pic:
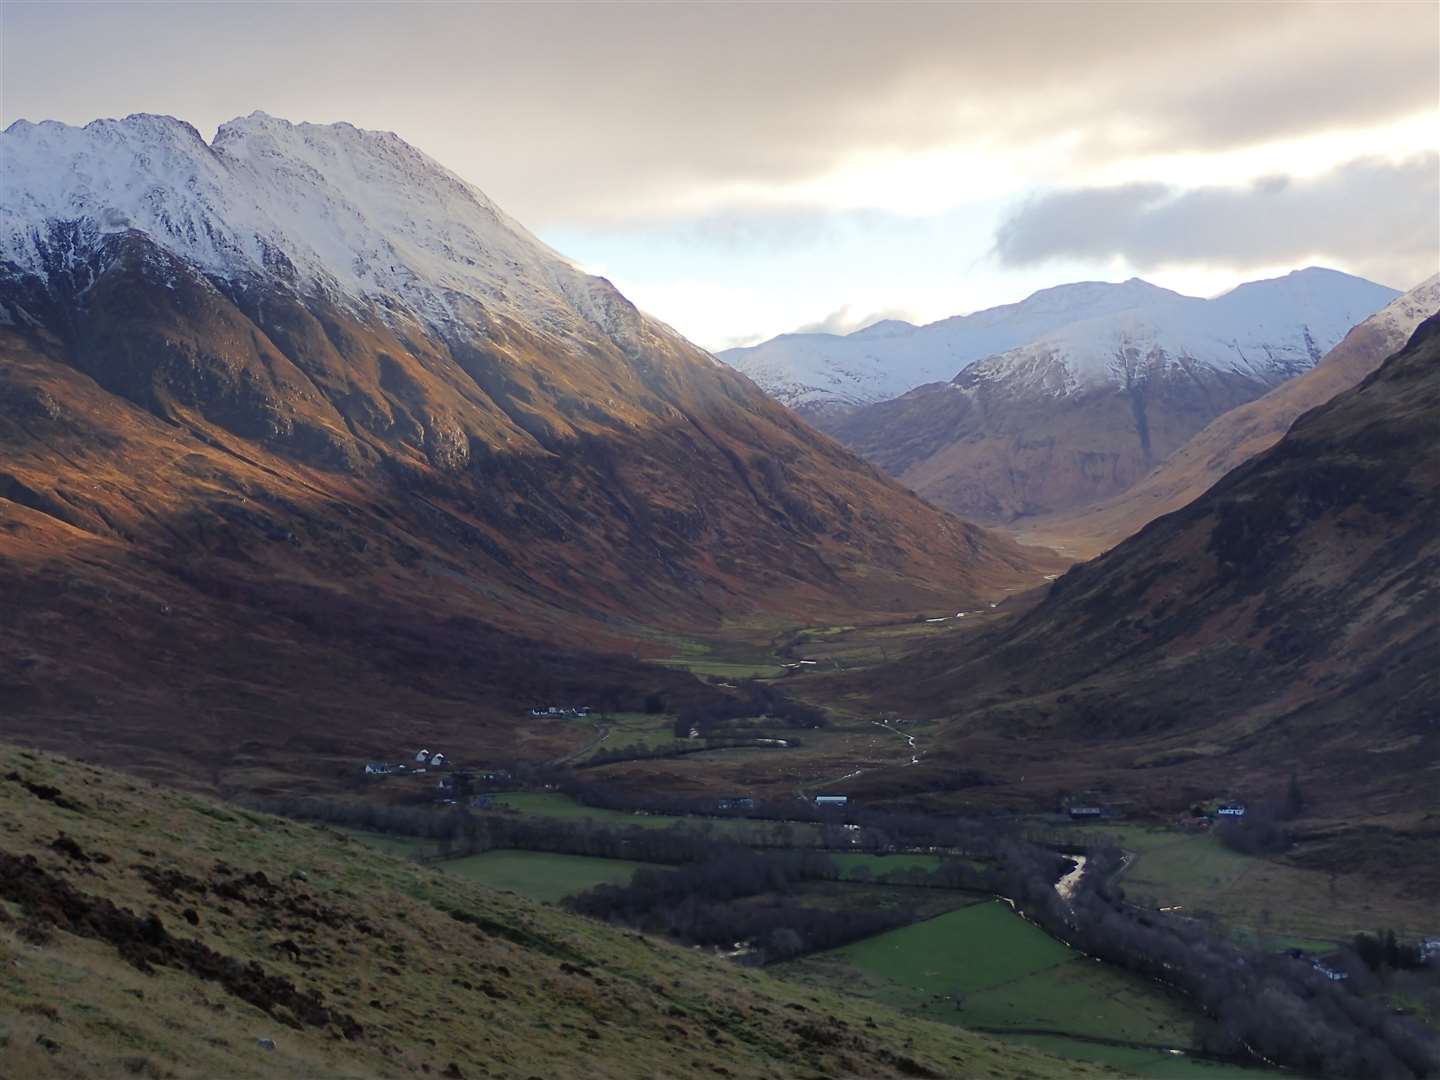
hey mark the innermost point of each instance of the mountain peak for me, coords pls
(361, 216)
(884, 328)
(821, 373)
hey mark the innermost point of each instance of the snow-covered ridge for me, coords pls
(349, 214)
(886, 360)
(1399, 318)
(1267, 331)
(1062, 339)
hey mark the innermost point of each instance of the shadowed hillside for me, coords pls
(1234, 437)
(1085, 412)
(259, 501)
(1285, 620)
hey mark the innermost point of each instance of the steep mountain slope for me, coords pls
(1083, 413)
(1236, 436)
(301, 437)
(1289, 618)
(148, 933)
(825, 376)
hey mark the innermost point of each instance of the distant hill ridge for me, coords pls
(823, 376)
(1286, 619)
(1234, 437)
(1083, 412)
(300, 414)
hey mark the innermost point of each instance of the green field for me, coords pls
(855, 647)
(1262, 900)
(506, 985)
(1266, 898)
(649, 730)
(541, 875)
(880, 865)
(726, 669)
(726, 659)
(556, 804)
(1011, 977)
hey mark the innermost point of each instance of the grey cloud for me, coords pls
(772, 229)
(841, 321)
(1379, 217)
(594, 111)
(741, 342)
(763, 229)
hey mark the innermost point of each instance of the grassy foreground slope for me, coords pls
(148, 932)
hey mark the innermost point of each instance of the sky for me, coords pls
(746, 169)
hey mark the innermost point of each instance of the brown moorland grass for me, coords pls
(156, 933)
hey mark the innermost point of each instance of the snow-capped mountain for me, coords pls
(1234, 437)
(1081, 413)
(1397, 320)
(829, 374)
(313, 367)
(332, 210)
(1264, 330)
(1287, 614)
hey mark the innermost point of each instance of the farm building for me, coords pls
(1233, 810)
(741, 802)
(378, 768)
(438, 761)
(422, 757)
(1085, 811)
(832, 800)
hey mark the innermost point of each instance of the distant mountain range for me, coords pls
(1084, 411)
(824, 376)
(1286, 620)
(297, 421)
(1234, 437)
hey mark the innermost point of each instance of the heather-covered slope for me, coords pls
(148, 933)
(288, 453)
(1287, 619)
(1086, 411)
(1236, 436)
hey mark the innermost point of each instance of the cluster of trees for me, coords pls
(640, 752)
(876, 830)
(737, 896)
(754, 699)
(1383, 950)
(695, 902)
(457, 831)
(1274, 1008)
(1262, 830)
(1259, 832)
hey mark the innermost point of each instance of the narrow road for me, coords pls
(915, 754)
(565, 759)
